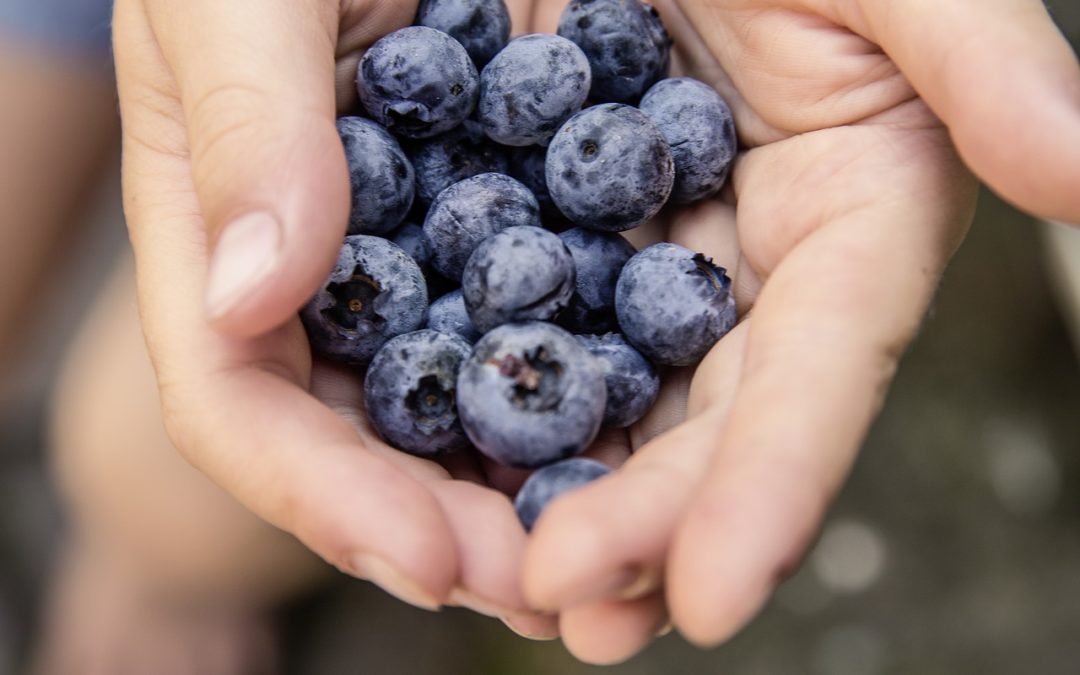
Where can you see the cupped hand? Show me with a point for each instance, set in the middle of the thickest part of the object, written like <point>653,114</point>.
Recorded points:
<point>237,197</point>
<point>845,207</point>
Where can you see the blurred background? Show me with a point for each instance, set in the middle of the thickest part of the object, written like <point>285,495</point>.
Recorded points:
<point>954,548</point>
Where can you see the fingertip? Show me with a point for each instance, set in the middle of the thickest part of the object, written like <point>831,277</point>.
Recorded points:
<point>611,632</point>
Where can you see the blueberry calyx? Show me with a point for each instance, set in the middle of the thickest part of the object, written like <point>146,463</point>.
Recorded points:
<point>433,405</point>
<point>355,303</point>
<point>408,115</point>
<point>536,379</point>
<point>713,273</point>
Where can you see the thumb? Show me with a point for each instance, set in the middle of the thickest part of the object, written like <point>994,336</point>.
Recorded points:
<point>256,83</point>
<point>1002,77</point>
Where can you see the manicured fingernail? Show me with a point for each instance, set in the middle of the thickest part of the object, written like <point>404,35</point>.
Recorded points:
<point>459,597</point>
<point>666,630</point>
<point>248,251</point>
<point>525,633</point>
<point>387,577</point>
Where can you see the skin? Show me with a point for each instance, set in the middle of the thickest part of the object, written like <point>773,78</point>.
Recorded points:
<point>737,463</point>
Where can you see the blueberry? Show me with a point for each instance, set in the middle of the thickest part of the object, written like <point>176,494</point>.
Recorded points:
<point>527,165</point>
<point>409,392</point>
<point>448,314</point>
<point>609,168</point>
<point>418,82</point>
<point>375,292</point>
<point>625,42</point>
<point>531,88</point>
<point>466,213</point>
<point>449,158</point>
<point>698,126</point>
<point>381,177</point>
<point>411,238</point>
<point>632,382</point>
<point>481,26</point>
<point>543,486</point>
<point>673,304</point>
<point>518,274</point>
<point>598,259</point>
<point>530,395</point>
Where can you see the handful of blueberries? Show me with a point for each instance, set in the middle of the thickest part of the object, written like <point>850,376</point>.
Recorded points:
<point>535,340</point>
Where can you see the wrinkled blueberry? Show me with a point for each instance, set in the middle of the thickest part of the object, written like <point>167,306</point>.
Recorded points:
<point>418,82</point>
<point>381,177</point>
<point>448,314</point>
<point>462,152</point>
<point>409,392</point>
<point>543,486</point>
<point>518,274</point>
<point>673,304</point>
<point>625,42</point>
<point>598,258</point>
<point>530,395</point>
<point>375,292</point>
<point>609,168</point>
<point>481,26</point>
<point>632,382</point>
<point>531,88</point>
<point>468,212</point>
<point>698,126</point>
<point>411,238</point>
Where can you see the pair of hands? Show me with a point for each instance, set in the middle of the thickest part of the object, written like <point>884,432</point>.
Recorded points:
<point>845,207</point>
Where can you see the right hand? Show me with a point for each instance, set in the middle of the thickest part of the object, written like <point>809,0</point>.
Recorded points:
<point>236,195</point>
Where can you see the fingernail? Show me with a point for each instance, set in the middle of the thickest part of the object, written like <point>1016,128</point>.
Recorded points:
<point>459,597</point>
<point>247,252</point>
<point>386,576</point>
<point>522,632</point>
<point>628,583</point>
<point>644,583</point>
<point>666,630</point>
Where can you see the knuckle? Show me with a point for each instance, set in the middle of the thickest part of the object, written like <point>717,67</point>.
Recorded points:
<point>226,115</point>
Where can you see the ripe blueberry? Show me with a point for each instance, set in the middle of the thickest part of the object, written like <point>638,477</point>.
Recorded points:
<point>481,26</point>
<point>518,274</point>
<point>530,88</point>
<point>625,42</point>
<point>530,395</point>
<point>409,392</point>
<point>598,258</point>
<point>698,126</point>
<point>632,382</point>
<point>375,292</point>
<point>380,176</point>
<point>609,168</point>
<point>468,212</point>
<point>545,485</point>
<point>673,304</point>
<point>448,315</point>
<point>418,82</point>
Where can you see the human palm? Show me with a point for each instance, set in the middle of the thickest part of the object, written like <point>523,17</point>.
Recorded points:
<point>844,209</point>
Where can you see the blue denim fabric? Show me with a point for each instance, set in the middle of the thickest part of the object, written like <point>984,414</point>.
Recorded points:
<point>71,26</point>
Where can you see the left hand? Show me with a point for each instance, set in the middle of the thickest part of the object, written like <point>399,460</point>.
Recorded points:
<point>847,204</point>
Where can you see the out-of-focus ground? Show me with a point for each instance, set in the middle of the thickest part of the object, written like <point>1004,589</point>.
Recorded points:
<point>954,548</point>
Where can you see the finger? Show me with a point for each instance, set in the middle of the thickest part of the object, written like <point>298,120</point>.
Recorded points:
<point>609,539</point>
<point>256,84</point>
<point>237,408</point>
<point>824,340</point>
<point>607,633</point>
<point>489,539</point>
<point>1005,81</point>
